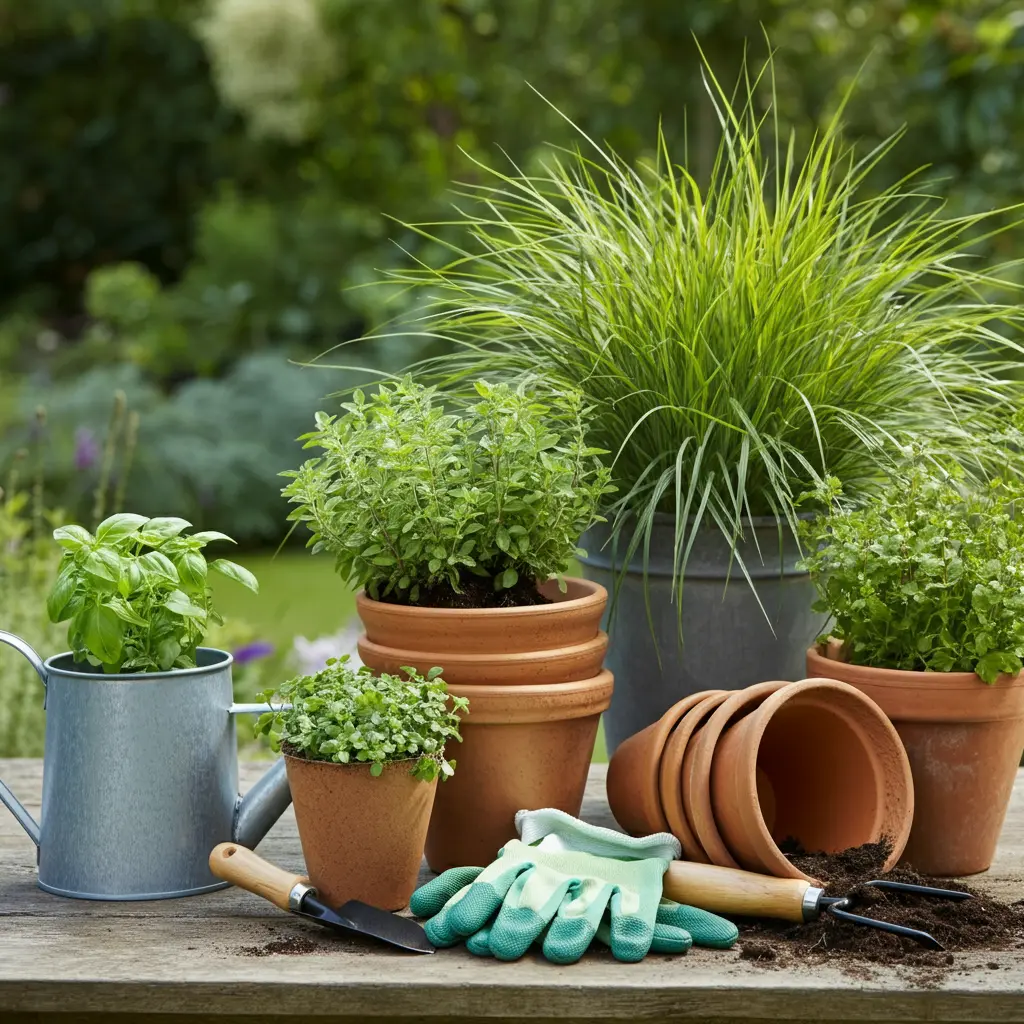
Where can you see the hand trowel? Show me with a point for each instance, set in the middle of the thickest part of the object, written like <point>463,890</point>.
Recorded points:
<point>242,867</point>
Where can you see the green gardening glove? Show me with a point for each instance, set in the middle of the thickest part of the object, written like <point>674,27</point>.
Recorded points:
<point>558,897</point>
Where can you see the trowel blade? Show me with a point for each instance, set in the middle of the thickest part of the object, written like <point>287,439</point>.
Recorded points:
<point>358,918</point>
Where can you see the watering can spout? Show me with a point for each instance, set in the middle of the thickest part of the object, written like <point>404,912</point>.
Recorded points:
<point>257,811</point>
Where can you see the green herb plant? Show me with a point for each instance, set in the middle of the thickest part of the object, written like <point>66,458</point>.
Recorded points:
<point>351,717</point>
<point>737,341</point>
<point>928,576</point>
<point>417,500</point>
<point>135,594</point>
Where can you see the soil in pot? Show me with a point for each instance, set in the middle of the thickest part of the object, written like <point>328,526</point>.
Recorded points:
<point>474,592</point>
<point>982,923</point>
<point>362,836</point>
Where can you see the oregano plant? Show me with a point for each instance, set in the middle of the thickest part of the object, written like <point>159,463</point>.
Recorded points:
<point>349,717</point>
<point>466,503</point>
<point>927,576</point>
<point>135,594</point>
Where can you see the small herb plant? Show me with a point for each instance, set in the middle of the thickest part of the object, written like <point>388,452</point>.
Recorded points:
<point>347,716</point>
<point>928,576</point>
<point>136,594</point>
<point>420,503</point>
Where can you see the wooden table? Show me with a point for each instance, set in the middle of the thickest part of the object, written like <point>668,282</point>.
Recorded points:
<point>192,960</point>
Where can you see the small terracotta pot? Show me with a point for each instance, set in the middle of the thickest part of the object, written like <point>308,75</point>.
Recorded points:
<point>671,774</point>
<point>522,747</point>
<point>696,782</point>
<point>572,618</point>
<point>536,690</point>
<point>964,741</point>
<point>362,837</point>
<point>633,781</point>
<point>561,665</point>
<point>817,762</point>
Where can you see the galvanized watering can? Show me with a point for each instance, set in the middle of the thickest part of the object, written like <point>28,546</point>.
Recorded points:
<point>140,779</point>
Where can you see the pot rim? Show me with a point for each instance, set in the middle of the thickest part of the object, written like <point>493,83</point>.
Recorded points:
<point>356,764</point>
<point>514,657</point>
<point>224,660</point>
<point>763,714</point>
<point>705,741</point>
<point>511,704</point>
<point>595,595</point>
<point>918,678</point>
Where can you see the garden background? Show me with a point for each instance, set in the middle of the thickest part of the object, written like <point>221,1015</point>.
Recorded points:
<point>192,194</point>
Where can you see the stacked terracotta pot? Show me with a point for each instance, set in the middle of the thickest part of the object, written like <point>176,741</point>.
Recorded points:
<point>737,776</point>
<point>536,691</point>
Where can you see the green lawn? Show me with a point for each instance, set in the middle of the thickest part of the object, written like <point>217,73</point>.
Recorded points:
<point>300,595</point>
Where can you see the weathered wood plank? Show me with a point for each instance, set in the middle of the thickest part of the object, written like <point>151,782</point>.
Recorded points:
<point>189,957</point>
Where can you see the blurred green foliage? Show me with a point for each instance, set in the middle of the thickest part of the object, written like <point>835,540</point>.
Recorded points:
<point>191,190</point>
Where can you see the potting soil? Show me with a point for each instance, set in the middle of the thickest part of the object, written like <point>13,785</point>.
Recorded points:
<point>981,923</point>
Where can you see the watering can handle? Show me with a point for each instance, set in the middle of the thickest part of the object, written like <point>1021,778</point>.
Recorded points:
<point>7,798</point>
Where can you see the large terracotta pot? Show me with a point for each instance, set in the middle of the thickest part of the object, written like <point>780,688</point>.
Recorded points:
<point>536,690</point>
<point>816,762</point>
<point>964,741</point>
<point>362,837</point>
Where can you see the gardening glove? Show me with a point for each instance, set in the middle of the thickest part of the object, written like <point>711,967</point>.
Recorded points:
<point>558,897</point>
<point>698,926</point>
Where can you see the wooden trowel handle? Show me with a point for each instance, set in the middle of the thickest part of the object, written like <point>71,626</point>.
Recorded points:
<point>734,892</point>
<point>243,868</point>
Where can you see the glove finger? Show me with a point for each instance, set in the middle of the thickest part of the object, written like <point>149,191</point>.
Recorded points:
<point>481,902</point>
<point>630,934</point>
<point>705,928</point>
<point>670,939</point>
<point>429,898</point>
<point>576,921</point>
<point>479,943</point>
<point>531,903</point>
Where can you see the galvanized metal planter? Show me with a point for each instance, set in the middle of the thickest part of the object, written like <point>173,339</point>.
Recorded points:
<point>727,640</point>
<point>140,779</point>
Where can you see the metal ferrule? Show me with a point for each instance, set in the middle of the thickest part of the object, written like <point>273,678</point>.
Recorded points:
<point>300,890</point>
<point>811,905</point>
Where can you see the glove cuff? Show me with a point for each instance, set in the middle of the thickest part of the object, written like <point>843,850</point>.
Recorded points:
<point>585,838</point>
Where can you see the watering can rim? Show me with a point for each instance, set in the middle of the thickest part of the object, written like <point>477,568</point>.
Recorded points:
<point>225,660</point>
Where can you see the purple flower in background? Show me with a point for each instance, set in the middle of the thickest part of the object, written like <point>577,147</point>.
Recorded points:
<point>87,449</point>
<point>253,652</point>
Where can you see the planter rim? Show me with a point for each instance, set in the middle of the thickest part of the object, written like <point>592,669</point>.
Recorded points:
<point>919,678</point>
<point>759,719</point>
<point>546,702</point>
<point>338,764</point>
<point>599,641</point>
<point>595,595</point>
<point>220,660</point>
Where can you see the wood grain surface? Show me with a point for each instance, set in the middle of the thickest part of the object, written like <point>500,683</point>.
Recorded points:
<point>190,960</point>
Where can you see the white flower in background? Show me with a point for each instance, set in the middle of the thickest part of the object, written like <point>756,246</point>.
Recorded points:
<point>311,655</point>
<point>264,54</point>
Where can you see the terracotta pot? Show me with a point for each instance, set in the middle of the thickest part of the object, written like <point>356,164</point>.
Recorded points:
<point>964,741</point>
<point>522,747</point>
<point>572,618</point>
<point>671,774</point>
<point>563,664</point>
<point>362,837</point>
<point>697,768</point>
<point>536,690</point>
<point>817,762</point>
<point>633,781</point>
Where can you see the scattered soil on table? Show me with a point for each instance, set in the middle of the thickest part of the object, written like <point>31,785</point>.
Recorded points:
<point>474,592</point>
<point>980,923</point>
<point>288,945</point>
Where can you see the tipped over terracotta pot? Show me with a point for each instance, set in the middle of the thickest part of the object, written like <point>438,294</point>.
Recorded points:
<point>964,739</point>
<point>817,763</point>
<point>536,693</point>
<point>362,836</point>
